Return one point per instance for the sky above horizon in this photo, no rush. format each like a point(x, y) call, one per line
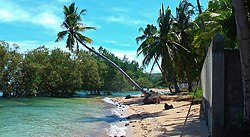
point(31, 24)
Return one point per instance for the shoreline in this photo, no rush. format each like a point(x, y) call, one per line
point(119, 112)
point(153, 120)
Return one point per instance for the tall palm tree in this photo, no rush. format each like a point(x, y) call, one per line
point(162, 45)
point(74, 28)
point(182, 27)
point(149, 48)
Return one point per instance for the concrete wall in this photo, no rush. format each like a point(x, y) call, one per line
point(212, 82)
point(233, 89)
point(221, 83)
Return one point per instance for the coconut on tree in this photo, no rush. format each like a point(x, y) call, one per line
point(73, 31)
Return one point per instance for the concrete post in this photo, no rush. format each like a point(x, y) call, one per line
point(218, 86)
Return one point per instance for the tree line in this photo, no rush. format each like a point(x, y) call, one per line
point(60, 74)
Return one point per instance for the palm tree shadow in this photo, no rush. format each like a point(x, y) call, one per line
point(194, 128)
point(144, 115)
point(115, 118)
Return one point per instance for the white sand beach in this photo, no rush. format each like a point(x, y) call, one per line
point(153, 121)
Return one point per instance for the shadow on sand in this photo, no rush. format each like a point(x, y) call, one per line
point(107, 119)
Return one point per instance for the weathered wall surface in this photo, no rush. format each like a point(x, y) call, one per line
point(233, 88)
point(221, 83)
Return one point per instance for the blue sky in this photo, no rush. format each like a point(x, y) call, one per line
point(31, 23)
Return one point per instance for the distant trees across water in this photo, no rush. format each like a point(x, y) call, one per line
point(60, 74)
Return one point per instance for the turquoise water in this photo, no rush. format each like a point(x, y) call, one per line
point(43, 117)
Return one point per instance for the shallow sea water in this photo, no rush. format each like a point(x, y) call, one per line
point(43, 117)
point(85, 116)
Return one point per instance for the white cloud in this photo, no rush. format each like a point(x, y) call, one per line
point(124, 45)
point(123, 16)
point(115, 19)
point(11, 12)
point(5, 15)
point(47, 20)
point(125, 20)
point(117, 43)
point(92, 24)
point(111, 41)
point(44, 16)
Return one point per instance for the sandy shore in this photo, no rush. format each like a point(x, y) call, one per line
point(153, 121)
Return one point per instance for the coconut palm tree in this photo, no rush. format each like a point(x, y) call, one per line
point(182, 26)
point(219, 17)
point(156, 45)
point(149, 48)
point(74, 28)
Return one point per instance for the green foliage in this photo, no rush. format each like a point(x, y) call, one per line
point(170, 44)
point(219, 17)
point(61, 74)
point(197, 94)
point(145, 82)
point(73, 28)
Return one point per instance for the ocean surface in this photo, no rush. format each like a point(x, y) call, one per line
point(84, 116)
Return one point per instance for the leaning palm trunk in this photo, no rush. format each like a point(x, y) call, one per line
point(243, 27)
point(114, 65)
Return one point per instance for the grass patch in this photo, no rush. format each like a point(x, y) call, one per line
point(197, 95)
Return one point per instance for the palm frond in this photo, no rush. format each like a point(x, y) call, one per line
point(73, 25)
point(61, 35)
point(82, 12)
point(83, 38)
point(90, 28)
